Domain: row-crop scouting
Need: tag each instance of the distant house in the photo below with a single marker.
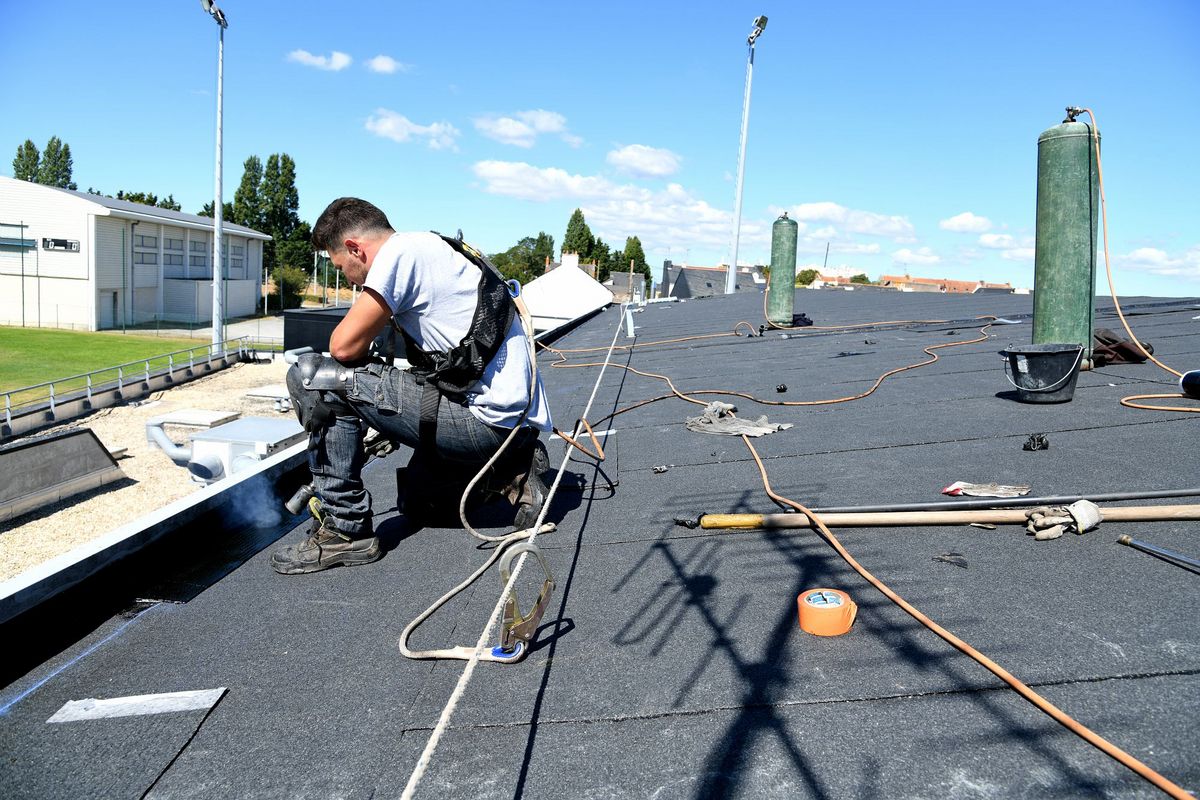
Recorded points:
(572, 260)
(690, 281)
(619, 284)
(907, 283)
(829, 281)
(77, 260)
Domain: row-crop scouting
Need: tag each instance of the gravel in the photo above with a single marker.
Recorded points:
(153, 481)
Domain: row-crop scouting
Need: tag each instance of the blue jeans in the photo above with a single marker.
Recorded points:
(388, 399)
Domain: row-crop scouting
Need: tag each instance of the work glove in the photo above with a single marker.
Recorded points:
(1051, 522)
(377, 445)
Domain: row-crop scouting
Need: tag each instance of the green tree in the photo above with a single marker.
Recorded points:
(296, 251)
(247, 204)
(146, 199)
(280, 201)
(601, 255)
(56, 164)
(543, 252)
(860, 278)
(25, 165)
(579, 237)
(520, 261)
(226, 212)
(633, 252)
(806, 277)
(290, 283)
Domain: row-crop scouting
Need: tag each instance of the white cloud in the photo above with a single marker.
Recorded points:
(997, 241)
(334, 62)
(386, 65)
(1160, 262)
(966, 222)
(1011, 248)
(1018, 254)
(894, 227)
(527, 182)
(922, 255)
(399, 128)
(671, 217)
(523, 128)
(642, 161)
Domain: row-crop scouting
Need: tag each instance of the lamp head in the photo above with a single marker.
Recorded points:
(213, 11)
(760, 25)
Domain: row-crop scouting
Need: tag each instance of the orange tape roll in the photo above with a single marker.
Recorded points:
(826, 612)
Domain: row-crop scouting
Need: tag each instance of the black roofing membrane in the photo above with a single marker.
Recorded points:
(670, 663)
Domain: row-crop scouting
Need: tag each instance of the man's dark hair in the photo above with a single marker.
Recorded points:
(348, 217)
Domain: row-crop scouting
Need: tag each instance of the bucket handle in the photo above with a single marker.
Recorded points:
(1057, 384)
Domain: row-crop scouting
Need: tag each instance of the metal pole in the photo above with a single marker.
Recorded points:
(1161, 552)
(731, 276)
(218, 317)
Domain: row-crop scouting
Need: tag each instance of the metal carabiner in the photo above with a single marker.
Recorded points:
(517, 629)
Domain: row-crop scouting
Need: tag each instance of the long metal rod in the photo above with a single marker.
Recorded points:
(731, 275)
(218, 316)
(1012, 502)
(1161, 552)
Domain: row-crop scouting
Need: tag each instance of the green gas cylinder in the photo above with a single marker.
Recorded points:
(1064, 270)
(781, 297)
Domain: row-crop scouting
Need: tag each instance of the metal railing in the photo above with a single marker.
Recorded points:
(48, 395)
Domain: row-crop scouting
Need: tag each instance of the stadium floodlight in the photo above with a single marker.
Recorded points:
(218, 317)
(760, 24)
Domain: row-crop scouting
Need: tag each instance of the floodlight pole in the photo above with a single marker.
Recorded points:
(760, 23)
(218, 316)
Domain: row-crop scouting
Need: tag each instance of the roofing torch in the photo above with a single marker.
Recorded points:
(376, 445)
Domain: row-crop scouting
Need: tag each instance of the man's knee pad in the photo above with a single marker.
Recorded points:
(314, 382)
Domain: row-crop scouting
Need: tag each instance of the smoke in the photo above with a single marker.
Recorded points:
(252, 503)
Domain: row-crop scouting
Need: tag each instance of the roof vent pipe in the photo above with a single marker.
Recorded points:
(180, 454)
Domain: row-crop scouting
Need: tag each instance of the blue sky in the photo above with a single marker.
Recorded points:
(902, 134)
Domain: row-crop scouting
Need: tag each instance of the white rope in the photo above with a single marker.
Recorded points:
(461, 687)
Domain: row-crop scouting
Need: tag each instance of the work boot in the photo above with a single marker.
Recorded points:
(533, 490)
(322, 549)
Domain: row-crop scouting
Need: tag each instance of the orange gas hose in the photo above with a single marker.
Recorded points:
(1058, 715)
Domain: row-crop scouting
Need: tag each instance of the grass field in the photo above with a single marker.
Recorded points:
(35, 355)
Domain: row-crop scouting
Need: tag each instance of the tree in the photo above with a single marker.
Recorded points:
(860, 278)
(280, 201)
(601, 255)
(579, 237)
(806, 277)
(25, 165)
(146, 199)
(296, 251)
(226, 212)
(633, 252)
(290, 283)
(543, 252)
(55, 167)
(247, 204)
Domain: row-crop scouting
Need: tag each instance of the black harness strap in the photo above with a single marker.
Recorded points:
(453, 373)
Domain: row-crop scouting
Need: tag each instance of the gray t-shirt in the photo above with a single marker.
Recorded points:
(433, 291)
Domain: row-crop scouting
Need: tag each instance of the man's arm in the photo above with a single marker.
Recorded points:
(352, 337)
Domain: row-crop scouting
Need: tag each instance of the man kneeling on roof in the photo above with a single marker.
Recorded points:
(469, 386)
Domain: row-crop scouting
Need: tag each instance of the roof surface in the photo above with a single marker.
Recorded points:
(670, 663)
(166, 215)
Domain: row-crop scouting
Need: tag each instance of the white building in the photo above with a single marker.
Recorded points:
(76, 260)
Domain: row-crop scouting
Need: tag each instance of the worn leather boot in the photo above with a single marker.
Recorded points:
(532, 489)
(324, 548)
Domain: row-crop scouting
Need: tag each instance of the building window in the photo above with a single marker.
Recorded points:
(198, 246)
(173, 244)
(172, 259)
(198, 261)
(141, 257)
(145, 241)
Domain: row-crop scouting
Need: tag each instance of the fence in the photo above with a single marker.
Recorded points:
(31, 407)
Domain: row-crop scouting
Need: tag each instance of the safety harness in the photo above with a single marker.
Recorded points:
(451, 374)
